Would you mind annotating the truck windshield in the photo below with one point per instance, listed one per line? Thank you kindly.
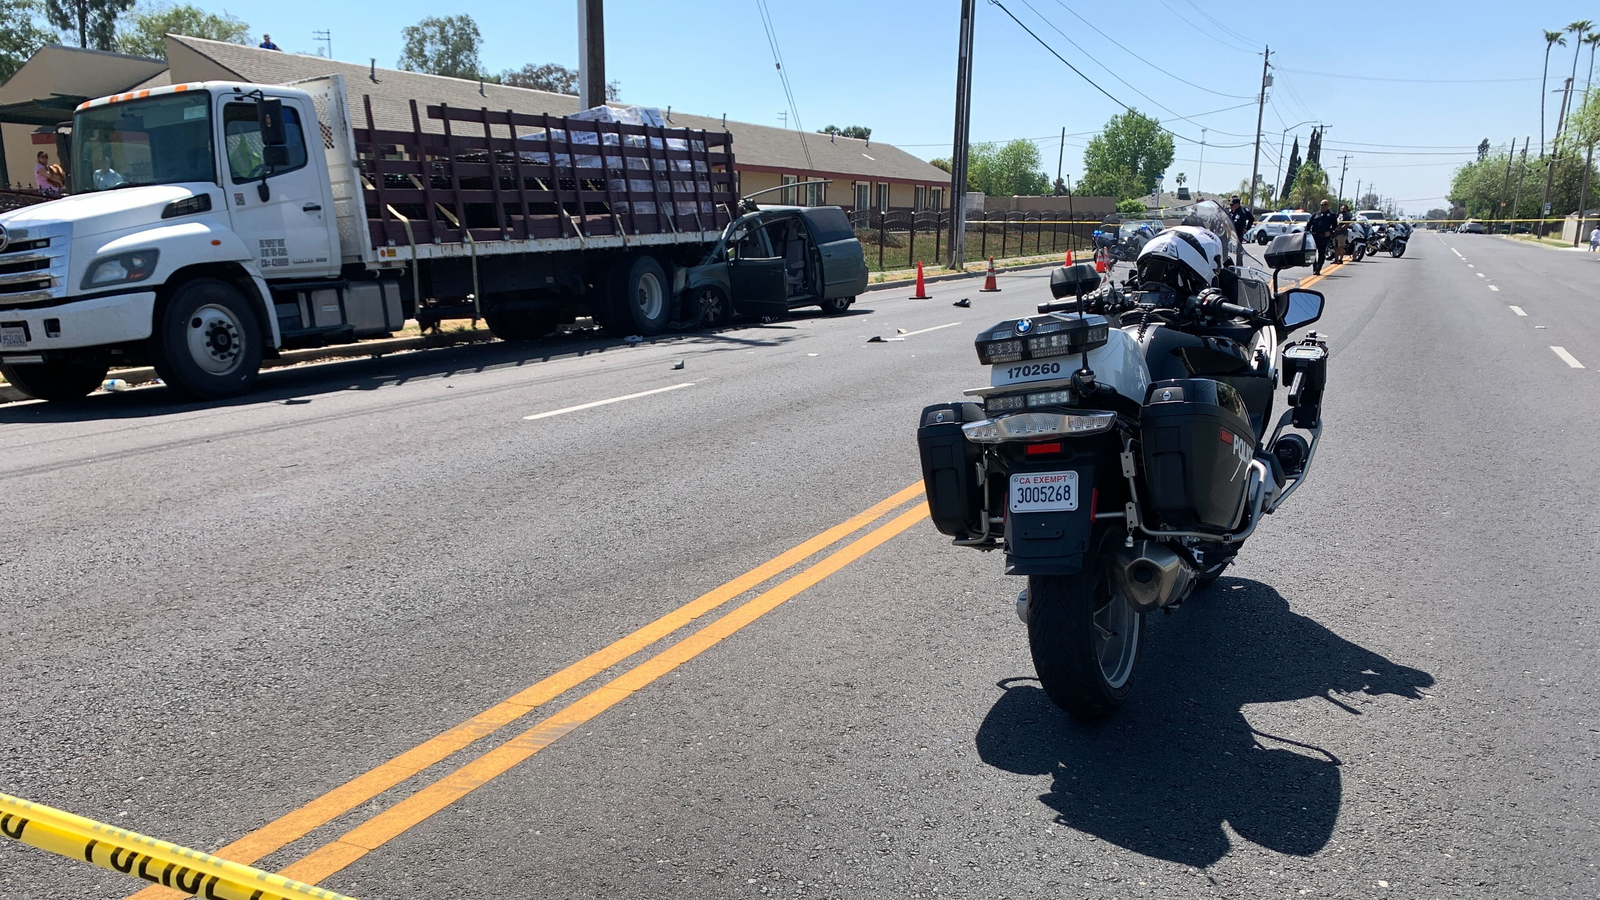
(162, 140)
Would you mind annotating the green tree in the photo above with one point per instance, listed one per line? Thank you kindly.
(1579, 30)
(553, 78)
(941, 163)
(1132, 206)
(859, 132)
(19, 36)
(1131, 143)
(1368, 200)
(1310, 187)
(1009, 171)
(1314, 147)
(1293, 170)
(143, 32)
(94, 21)
(1118, 183)
(443, 46)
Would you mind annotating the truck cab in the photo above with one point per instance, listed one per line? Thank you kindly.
(200, 235)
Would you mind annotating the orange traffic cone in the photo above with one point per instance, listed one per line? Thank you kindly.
(988, 283)
(922, 292)
(1100, 260)
(1069, 256)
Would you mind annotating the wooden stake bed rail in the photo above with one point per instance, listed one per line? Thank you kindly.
(506, 176)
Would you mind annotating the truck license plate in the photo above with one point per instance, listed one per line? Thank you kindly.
(13, 336)
(1044, 492)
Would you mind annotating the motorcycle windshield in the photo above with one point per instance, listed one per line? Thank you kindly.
(1210, 215)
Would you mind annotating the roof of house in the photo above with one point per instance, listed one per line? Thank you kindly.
(754, 145)
(55, 79)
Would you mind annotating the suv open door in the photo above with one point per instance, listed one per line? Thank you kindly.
(758, 283)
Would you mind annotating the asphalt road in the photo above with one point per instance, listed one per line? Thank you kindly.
(740, 663)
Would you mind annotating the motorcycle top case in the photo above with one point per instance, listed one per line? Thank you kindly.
(950, 466)
(1197, 445)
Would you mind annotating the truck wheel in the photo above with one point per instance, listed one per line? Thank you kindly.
(55, 380)
(520, 324)
(639, 297)
(208, 341)
(836, 306)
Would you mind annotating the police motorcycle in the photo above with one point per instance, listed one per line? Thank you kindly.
(1399, 234)
(1124, 449)
(1123, 240)
(1357, 236)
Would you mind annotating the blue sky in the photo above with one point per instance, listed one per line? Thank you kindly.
(889, 64)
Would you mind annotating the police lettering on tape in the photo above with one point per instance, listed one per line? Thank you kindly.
(190, 871)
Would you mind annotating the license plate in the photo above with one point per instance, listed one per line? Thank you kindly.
(1020, 372)
(13, 336)
(1044, 492)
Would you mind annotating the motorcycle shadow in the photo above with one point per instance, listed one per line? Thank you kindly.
(1180, 759)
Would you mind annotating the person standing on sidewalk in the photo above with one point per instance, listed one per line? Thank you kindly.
(1594, 239)
(1322, 227)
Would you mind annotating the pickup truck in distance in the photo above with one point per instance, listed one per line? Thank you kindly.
(213, 224)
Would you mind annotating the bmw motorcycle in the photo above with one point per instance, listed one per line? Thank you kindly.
(1398, 235)
(1124, 451)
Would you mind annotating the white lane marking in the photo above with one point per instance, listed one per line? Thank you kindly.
(1456, 252)
(934, 328)
(1493, 288)
(1567, 358)
(1480, 274)
(583, 406)
(1471, 266)
(1518, 310)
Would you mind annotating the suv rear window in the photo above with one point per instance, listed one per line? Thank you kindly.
(828, 224)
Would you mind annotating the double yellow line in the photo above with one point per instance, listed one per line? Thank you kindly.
(439, 794)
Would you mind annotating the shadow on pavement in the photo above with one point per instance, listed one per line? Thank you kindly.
(1161, 776)
(299, 385)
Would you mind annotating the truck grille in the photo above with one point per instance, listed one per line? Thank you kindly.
(33, 263)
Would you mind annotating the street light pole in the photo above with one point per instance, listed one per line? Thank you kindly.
(1202, 173)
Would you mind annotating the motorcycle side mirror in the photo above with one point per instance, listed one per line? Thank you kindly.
(1071, 281)
(1297, 308)
(1291, 250)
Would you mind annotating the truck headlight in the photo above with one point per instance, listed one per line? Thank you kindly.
(120, 269)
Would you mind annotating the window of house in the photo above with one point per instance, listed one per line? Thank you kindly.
(816, 194)
(883, 198)
(863, 195)
(938, 199)
(919, 199)
(788, 194)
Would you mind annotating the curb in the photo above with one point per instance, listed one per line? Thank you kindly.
(374, 349)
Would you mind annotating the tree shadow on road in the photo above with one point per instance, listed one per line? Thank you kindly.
(1179, 759)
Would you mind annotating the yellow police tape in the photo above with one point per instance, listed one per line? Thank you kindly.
(190, 871)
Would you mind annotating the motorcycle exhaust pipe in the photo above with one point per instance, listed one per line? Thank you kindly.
(1152, 576)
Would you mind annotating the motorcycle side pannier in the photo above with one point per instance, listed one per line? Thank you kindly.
(1197, 445)
(950, 466)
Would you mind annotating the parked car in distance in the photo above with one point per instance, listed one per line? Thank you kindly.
(1471, 227)
(775, 259)
(1273, 224)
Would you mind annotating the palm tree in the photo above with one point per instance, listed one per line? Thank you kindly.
(1551, 39)
(1592, 39)
(1579, 29)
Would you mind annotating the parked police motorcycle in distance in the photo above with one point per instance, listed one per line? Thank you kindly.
(1123, 450)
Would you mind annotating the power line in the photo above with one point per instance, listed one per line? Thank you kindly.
(783, 77)
(1227, 30)
(1012, 16)
(1145, 60)
(1090, 57)
(1407, 80)
(1223, 41)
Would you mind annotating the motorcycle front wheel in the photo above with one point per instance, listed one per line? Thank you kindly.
(1084, 637)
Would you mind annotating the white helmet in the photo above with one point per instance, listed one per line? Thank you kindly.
(1184, 257)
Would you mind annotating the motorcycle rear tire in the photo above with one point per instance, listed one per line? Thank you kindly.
(1397, 251)
(1358, 253)
(1083, 635)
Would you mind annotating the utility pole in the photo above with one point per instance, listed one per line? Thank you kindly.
(958, 150)
(1583, 197)
(1278, 178)
(1522, 172)
(326, 37)
(1358, 192)
(1344, 164)
(1261, 107)
(591, 53)
(1500, 206)
(1202, 173)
